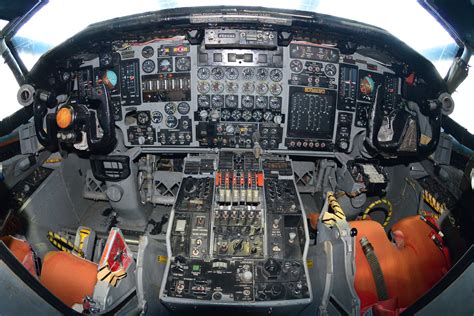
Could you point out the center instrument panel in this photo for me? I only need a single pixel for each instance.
(238, 88)
(237, 234)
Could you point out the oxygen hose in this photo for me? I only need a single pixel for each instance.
(375, 268)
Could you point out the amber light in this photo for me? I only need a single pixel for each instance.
(64, 117)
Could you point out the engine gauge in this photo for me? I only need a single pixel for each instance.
(330, 70)
(261, 102)
(105, 59)
(148, 66)
(276, 75)
(275, 89)
(170, 108)
(203, 87)
(225, 115)
(217, 101)
(109, 78)
(248, 87)
(171, 121)
(268, 116)
(248, 73)
(217, 87)
(275, 103)
(203, 114)
(261, 88)
(257, 115)
(165, 64)
(183, 64)
(262, 74)
(204, 101)
(247, 101)
(148, 52)
(143, 118)
(231, 101)
(203, 73)
(231, 73)
(183, 108)
(236, 115)
(231, 86)
(217, 73)
(156, 117)
(296, 65)
(246, 115)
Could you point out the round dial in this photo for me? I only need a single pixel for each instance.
(217, 87)
(275, 103)
(296, 65)
(203, 87)
(247, 101)
(247, 73)
(165, 65)
(262, 74)
(248, 87)
(236, 115)
(148, 52)
(330, 70)
(257, 115)
(171, 121)
(156, 117)
(247, 115)
(232, 86)
(203, 115)
(183, 108)
(203, 73)
(109, 78)
(261, 102)
(183, 64)
(275, 89)
(148, 66)
(231, 101)
(105, 59)
(143, 118)
(170, 108)
(261, 88)
(231, 73)
(278, 119)
(225, 115)
(204, 101)
(268, 116)
(276, 75)
(217, 101)
(217, 73)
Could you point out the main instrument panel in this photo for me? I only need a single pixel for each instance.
(239, 89)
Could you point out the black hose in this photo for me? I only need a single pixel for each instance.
(9, 124)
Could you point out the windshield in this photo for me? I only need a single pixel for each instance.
(405, 19)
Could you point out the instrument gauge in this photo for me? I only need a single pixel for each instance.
(261, 102)
(268, 116)
(261, 88)
(248, 87)
(217, 87)
(275, 89)
(143, 118)
(246, 115)
(109, 78)
(217, 73)
(217, 101)
(183, 108)
(148, 66)
(296, 65)
(203, 73)
(203, 87)
(236, 115)
(148, 52)
(231, 73)
(276, 75)
(171, 121)
(330, 70)
(225, 115)
(257, 116)
(275, 103)
(170, 108)
(165, 64)
(232, 86)
(247, 101)
(262, 74)
(183, 64)
(247, 73)
(105, 59)
(231, 101)
(156, 117)
(204, 101)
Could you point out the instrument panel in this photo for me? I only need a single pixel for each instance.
(239, 89)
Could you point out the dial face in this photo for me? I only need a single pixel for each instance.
(231, 86)
(217, 87)
(261, 102)
(148, 52)
(248, 87)
(247, 73)
(268, 116)
(217, 73)
(143, 118)
(203, 87)
(276, 75)
(262, 74)
(109, 78)
(203, 114)
(203, 73)
(236, 115)
(171, 121)
(257, 115)
(296, 65)
(183, 64)
(231, 73)
(247, 115)
(148, 66)
(231, 101)
(156, 117)
(165, 64)
(204, 101)
(170, 108)
(330, 70)
(105, 59)
(261, 88)
(183, 108)
(275, 103)
(217, 101)
(247, 101)
(275, 89)
(225, 115)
